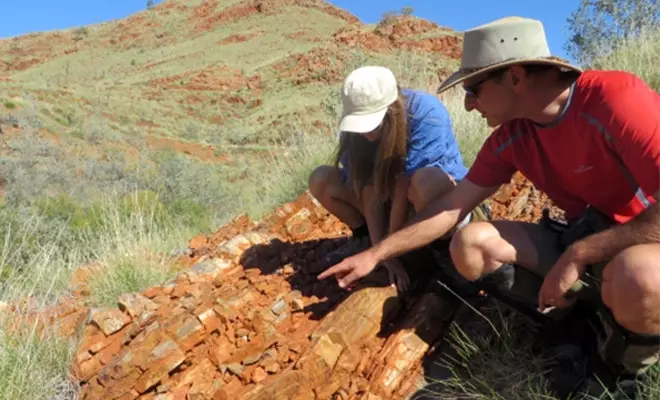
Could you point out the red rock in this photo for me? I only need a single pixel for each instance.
(86, 369)
(229, 391)
(271, 366)
(135, 304)
(93, 340)
(130, 395)
(110, 320)
(202, 371)
(258, 375)
(106, 355)
(186, 330)
(153, 291)
(220, 351)
(198, 242)
(158, 369)
(210, 319)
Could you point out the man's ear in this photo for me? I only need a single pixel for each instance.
(516, 73)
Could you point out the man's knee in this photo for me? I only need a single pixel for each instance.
(428, 183)
(320, 179)
(469, 248)
(631, 288)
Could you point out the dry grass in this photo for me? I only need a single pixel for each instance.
(485, 359)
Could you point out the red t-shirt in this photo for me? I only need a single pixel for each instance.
(604, 151)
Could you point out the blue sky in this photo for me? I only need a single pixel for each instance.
(19, 17)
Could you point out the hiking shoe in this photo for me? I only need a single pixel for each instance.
(594, 387)
(601, 381)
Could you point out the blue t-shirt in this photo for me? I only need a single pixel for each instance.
(431, 140)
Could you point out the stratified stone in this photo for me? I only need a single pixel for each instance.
(247, 334)
(259, 375)
(236, 246)
(212, 267)
(187, 330)
(328, 350)
(110, 320)
(135, 304)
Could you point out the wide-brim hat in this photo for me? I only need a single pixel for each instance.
(501, 43)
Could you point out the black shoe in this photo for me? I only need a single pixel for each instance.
(600, 387)
(601, 381)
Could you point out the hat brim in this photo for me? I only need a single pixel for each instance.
(462, 75)
(361, 123)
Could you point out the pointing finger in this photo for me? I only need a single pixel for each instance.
(332, 270)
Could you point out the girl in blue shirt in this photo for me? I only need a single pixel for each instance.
(397, 152)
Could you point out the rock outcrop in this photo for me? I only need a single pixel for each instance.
(249, 320)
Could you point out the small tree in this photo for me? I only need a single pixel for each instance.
(599, 26)
(406, 11)
(388, 16)
(150, 4)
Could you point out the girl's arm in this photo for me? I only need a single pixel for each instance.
(373, 214)
(398, 217)
(400, 205)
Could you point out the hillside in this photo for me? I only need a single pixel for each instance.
(217, 92)
(214, 79)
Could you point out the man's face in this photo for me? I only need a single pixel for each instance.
(492, 97)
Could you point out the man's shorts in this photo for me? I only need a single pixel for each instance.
(617, 346)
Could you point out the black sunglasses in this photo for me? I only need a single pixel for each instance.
(475, 88)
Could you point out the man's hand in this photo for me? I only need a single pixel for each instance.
(351, 269)
(562, 276)
(397, 274)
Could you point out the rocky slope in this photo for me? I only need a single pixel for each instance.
(249, 320)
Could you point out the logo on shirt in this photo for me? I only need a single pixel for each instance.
(584, 168)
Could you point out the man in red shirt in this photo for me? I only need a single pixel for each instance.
(591, 141)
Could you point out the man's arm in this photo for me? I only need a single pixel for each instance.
(602, 246)
(434, 221)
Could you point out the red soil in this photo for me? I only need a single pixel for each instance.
(400, 33)
(319, 65)
(217, 78)
(205, 17)
(203, 152)
(238, 38)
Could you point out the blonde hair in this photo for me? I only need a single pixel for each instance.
(377, 163)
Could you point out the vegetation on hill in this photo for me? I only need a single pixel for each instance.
(122, 140)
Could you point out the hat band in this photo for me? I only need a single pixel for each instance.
(467, 71)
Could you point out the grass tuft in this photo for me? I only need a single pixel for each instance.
(33, 366)
(484, 364)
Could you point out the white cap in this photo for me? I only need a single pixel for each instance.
(366, 94)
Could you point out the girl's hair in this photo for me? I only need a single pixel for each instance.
(377, 163)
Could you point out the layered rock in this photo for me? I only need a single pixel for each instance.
(249, 320)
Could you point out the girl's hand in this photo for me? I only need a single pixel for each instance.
(398, 275)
